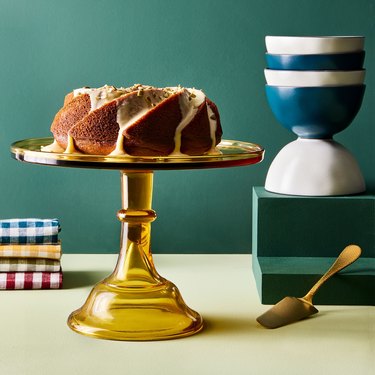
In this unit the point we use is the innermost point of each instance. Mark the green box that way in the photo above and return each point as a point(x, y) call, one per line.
point(296, 239)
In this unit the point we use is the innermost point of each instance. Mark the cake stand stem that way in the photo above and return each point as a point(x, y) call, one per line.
point(135, 302)
point(136, 216)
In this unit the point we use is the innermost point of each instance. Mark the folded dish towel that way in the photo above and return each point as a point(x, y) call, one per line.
point(29, 265)
point(31, 280)
point(29, 231)
point(31, 251)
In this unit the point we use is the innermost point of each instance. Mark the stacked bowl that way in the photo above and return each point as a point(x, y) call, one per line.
point(315, 87)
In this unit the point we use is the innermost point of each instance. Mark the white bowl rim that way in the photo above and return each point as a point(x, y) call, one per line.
point(359, 52)
point(316, 37)
point(314, 78)
point(319, 72)
point(314, 87)
point(304, 45)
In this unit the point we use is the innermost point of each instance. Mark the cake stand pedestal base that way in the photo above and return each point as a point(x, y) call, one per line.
point(135, 302)
point(120, 313)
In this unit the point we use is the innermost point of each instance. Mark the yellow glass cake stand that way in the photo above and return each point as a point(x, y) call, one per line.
point(135, 302)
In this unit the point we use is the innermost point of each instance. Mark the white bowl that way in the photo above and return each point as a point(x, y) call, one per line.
point(315, 167)
point(314, 45)
point(311, 78)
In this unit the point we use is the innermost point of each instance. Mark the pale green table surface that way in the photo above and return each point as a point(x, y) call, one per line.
point(36, 340)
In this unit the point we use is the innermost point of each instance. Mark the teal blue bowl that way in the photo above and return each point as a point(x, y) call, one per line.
point(333, 61)
point(315, 112)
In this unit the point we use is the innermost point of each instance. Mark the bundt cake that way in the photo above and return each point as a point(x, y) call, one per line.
point(139, 120)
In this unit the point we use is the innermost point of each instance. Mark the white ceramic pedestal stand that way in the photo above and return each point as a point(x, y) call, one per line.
point(315, 167)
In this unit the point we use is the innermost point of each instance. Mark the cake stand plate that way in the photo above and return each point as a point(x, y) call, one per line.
point(135, 302)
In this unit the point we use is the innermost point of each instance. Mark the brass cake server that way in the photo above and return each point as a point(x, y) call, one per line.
point(292, 309)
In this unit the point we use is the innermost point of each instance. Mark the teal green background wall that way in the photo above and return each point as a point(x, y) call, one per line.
point(49, 47)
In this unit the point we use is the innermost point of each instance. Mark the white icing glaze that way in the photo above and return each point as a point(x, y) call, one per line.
point(53, 147)
point(189, 102)
point(131, 109)
point(101, 95)
point(70, 148)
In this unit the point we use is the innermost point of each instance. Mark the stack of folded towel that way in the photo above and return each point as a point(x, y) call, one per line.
point(30, 253)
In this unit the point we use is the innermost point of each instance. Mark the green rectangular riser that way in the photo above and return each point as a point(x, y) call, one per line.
point(278, 277)
point(312, 226)
point(296, 239)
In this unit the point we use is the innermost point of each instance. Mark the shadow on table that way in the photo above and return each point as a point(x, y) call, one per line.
point(78, 279)
point(229, 325)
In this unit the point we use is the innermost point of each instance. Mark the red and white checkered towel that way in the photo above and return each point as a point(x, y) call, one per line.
point(31, 280)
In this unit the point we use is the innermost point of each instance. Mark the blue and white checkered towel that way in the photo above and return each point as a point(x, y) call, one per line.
point(29, 231)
